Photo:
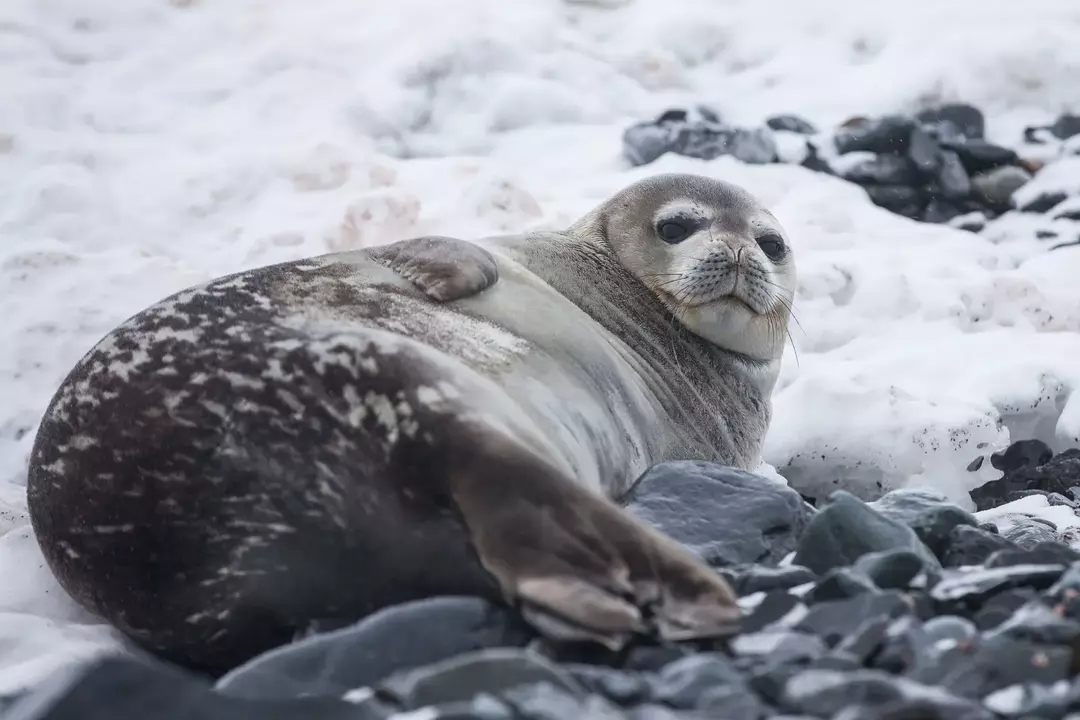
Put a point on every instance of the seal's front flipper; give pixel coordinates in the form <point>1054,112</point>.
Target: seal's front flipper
<point>579,566</point>
<point>444,268</point>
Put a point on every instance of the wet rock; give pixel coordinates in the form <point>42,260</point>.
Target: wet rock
<point>725,515</point>
<point>847,528</point>
<point>622,687</point>
<point>813,161</point>
<point>900,199</point>
<point>397,638</point>
<point>840,584</point>
<point>1028,532</point>
<point>967,119</point>
<point>1066,126</point>
<point>1001,607</point>
<point>747,580</point>
<point>882,170</point>
<point>756,146</point>
<point>923,151</point>
<point>996,187</point>
<point>1038,623</point>
<point>891,569</point>
<point>970,222</point>
<point>682,684</point>
<point>978,156</point>
<point>927,512</point>
<point>1027,700</point>
<point>951,628</point>
<point>888,134</point>
<point>833,621</point>
<point>779,646</point>
<point>773,608</point>
<point>1043,553</point>
<point>113,688</point>
<point>1057,474</point>
<point>968,545</point>
<point>940,211</point>
<point>952,176</point>
<point>643,143</point>
<point>544,701</point>
<point>791,123</point>
<point>824,693</point>
<point>996,662</point>
<point>1043,202</point>
<point>970,586</point>
<point>1022,454</point>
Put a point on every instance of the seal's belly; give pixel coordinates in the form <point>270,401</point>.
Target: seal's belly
<point>552,360</point>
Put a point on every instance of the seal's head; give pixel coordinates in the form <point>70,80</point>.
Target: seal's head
<point>714,255</point>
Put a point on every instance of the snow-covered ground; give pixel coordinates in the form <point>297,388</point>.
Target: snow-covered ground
<point>146,145</point>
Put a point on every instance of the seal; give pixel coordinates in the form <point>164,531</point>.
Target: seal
<point>315,440</point>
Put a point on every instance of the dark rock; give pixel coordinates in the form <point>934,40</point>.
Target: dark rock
<point>682,683</point>
<point>1038,623</point>
<point>881,170</point>
<point>813,161</point>
<point>973,222</point>
<point>1001,607</point>
<point>1027,701</point>
<point>544,701</point>
<point>979,156</point>
<point>904,644</point>
<point>967,119</point>
<point>725,515</point>
<point>997,662</point>
<point>460,678</point>
<point>642,143</point>
<point>1022,454</point>
<point>671,117</point>
<point>780,646</point>
<point>1069,214</point>
<point>865,640</point>
<point>823,693</point>
<point>622,687</point>
<point>832,621</point>
<point>397,638</point>
<point>651,658</point>
<point>774,607</point>
<point>1043,202</point>
<point>481,707</point>
<point>749,579</point>
<point>756,146</point>
<point>840,584</point>
<point>1043,553</point>
<point>1057,474</point>
<point>982,582</point>
<point>892,569</point>
<point>975,464</point>
<point>971,546</point>
<point>847,528</point>
<point>928,513</point>
<point>1059,499</point>
<point>1066,126</point>
<point>1029,532</point>
<point>996,187</point>
<point>888,134</point>
<point>117,688</point>
<point>951,627</point>
<point>900,199</point>
<point>952,176</point>
<point>924,152</point>
<point>940,211</point>
<point>791,123</point>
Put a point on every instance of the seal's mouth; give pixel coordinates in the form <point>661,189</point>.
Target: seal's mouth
<point>730,299</point>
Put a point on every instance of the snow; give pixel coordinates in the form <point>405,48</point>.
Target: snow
<point>147,145</point>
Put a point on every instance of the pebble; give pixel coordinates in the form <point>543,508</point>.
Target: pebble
<point>968,545</point>
<point>900,199</point>
<point>952,176</point>
<point>746,580</point>
<point>832,621</point>
<point>996,187</point>
<point>977,155</point>
<point>840,584</point>
<point>924,152</point>
<point>823,693</point>
<point>973,584</point>
<point>1043,202</point>
<point>791,123</point>
<point>888,134</point>
<point>1066,126</point>
<point>882,170</point>
<point>726,516</point>
<point>401,637</point>
<point>682,683</point>
<point>967,119</point>
<point>1029,469</point>
<point>891,569</point>
<point>847,528</point>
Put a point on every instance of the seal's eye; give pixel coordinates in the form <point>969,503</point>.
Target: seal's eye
<point>673,231</point>
<point>772,245</point>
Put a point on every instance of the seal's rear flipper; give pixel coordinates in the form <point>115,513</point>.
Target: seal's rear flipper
<point>444,268</point>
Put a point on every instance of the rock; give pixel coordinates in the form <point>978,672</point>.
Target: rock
<point>1066,126</point>
<point>779,646</point>
<point>996,662</point>
<point>397,638</point>
<point>1027,701</point>
<point>117,688</point>
<point>824,693</point>
<point>1038,623</point>
<point>1043,553</point>
<point>755,146</point>
<point>750,579</point>
<point>725,515</point>
<point>840,584</point>
<point>847,528</point>
<point>967,119</point>
<point>1028,532</point>
<point>1001,607</point>
<point>951,628</point>
<point>940,211</point>
<point>900,199</point>
<point>952,176</point>
<point>642,143</point>
<point>972,585</point>
<point>865,640</point>
<point>1043,202</point>
<point>888,134</point>
<point>891,569</point>
<point>978,156</point>
<point>1022,454</point>
<point>773,608</point>
<point>1057,474</point>
<point>462,677</point>
<point>791,123</point>
<point>833,621</point>
<point>481,707</point>
<point>791,148</point>
<point>622,687</point>
<point>545,701</point>
<point>682,683</point>
<point>996,187</point>
<point>971,222</point>
<point>927,512</point>
<point>814,162</point>
<point>881,170</point>
<point>923,151</point>
<point>968,545</point>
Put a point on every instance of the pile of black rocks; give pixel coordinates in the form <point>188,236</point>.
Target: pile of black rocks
<point>904,608</point>
<point>936,166</point>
